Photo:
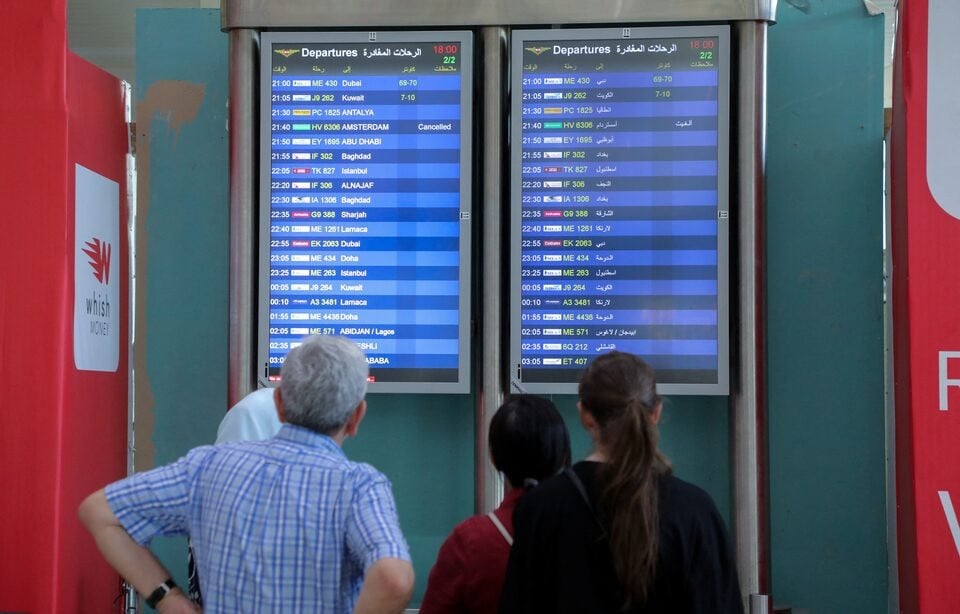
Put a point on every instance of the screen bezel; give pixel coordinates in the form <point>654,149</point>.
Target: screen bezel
<point>520,38</point>
<point>465,38</point>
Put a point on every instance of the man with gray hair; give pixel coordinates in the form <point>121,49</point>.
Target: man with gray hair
<point>282,525</point>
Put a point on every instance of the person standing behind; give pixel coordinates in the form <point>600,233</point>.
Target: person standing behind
<point>288,524</point>
<point>252,418</point>
<point>528,443</point>
<point>618,532</point>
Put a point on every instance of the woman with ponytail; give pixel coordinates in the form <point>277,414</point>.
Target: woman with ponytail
<point>618,532</point>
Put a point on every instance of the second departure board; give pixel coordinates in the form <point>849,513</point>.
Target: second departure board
<point>365,201</point>
<point>619,204</point>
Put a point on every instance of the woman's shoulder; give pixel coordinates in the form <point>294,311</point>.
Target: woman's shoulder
<point>550,493</point>
<point>682,490</point>
<point>473,528</point>
<point>480,528</point>
<point>563,484</point>
<point>683,501</point>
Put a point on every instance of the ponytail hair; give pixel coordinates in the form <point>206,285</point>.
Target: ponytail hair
<point>619,390</point>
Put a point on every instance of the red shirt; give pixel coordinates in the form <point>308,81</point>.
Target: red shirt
<point>470,568</point>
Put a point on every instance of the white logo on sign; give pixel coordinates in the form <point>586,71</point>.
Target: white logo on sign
<point>951,515</point>
<point>945,381</point>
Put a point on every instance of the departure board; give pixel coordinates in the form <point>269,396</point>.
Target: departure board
<point>365,201</point>
<point>619,204</point>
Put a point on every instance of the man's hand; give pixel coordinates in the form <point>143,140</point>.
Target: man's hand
<point>135,563</point>
<point>177,603</point>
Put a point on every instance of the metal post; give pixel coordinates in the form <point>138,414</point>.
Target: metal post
<point>488,483</point>
<point>243,222</point>
<point>893,547</point>
<point>127,93</point>
<point>131,600</point>
<point>748,398</point>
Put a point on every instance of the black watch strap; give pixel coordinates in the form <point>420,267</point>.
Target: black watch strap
<point>160,592</point>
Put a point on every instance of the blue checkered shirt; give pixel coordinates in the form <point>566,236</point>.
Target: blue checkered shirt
<point>282,525</point>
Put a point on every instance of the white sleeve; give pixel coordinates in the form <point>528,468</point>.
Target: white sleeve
<point>253,418</point>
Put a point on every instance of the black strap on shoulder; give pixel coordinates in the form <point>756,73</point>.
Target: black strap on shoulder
<point>578,484</point>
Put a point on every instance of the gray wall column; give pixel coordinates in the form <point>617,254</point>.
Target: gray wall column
<point>243,223</point>
<point>489,484</point>
<point>748,398</point>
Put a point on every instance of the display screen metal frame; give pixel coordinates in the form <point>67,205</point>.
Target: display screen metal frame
<point>522,38</point>
<point>466,64</point>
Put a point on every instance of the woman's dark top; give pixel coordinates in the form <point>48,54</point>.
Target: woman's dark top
<point>560,560</point>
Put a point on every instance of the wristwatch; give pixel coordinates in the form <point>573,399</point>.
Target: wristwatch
<point>160,592</point>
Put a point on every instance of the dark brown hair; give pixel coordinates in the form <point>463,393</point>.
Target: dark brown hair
<point>619,391</point>
<point>528,440</point>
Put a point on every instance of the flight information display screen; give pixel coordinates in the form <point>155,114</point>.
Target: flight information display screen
<point>365,201</point>
<point>619,204</point>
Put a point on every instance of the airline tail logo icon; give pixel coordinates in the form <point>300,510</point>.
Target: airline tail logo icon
<point>537,50</point>
<point>99,254</point>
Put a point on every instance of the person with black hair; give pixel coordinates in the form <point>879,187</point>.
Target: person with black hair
<point>618,532</point>
<point>528,443</point>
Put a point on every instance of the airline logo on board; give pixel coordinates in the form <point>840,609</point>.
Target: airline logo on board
<point>286,52</point>
<point>537,50</point>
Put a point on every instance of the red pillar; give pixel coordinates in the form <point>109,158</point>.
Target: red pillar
<point>62,429</point>
<point>926,293</point>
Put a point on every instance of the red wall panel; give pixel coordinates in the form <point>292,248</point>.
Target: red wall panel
<point>926,293</point>
<point>34,281</point>
<point>62,432</point>
<point>94,420</point>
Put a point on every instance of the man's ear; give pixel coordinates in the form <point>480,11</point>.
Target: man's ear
<point>278,401</point>
<point>350,428</point>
